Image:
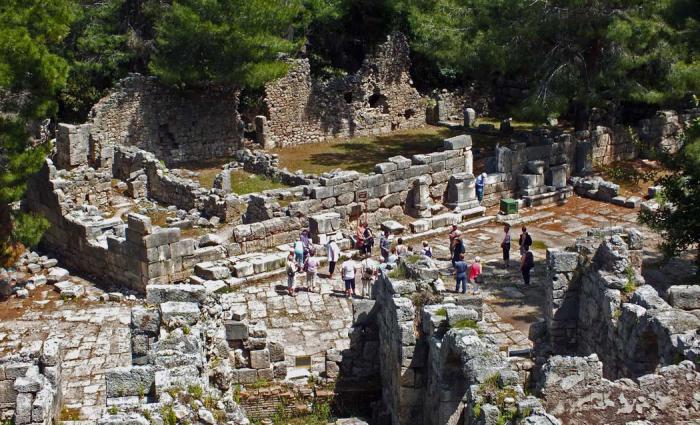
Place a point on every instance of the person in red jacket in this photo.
(474, 273)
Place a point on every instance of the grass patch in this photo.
(466, 324)
(539, 245)
(196, 391)
(631, 284)
(243, 182)
(259, 383)
(362, 153)
(442, 311)
(398, 272)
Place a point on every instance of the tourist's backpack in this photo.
(529, 260)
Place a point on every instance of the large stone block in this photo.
(235, 330)
(324, 223)
(686, 297)
(157, 294)
(561, 261)
(458, 142)
(129, 381)
(260, 359)
(558, 175)
(72, 145)
(180, 312)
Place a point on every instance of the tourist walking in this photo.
(401, 249)
(458, 250)
(306, 243)
(369, 272)
(348, 272)
(292, 268)
(385, 245)
(461, 274)
(524, 241)
(360, 237)
(333, 256)
(480, 181)
(505, 246)
(454, 234)
(369, 239)
(474, 273)
(311, 268)
(527, 262)
(427, 250)
(299, 252)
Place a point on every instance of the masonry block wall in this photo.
(596, 302)
(177, 126)
(378, 99)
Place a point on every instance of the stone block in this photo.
(235, 330)
(212, 271)
(686, 297)
(393, 227)
(179, 312)
(458, 142)
(385, 167)
(400, 161)
(561, 261)
(57, 274)
(23, 408)
(633, 202)
(324, 223)
(362, 312)
(469, 117)
(243, 269)
(145, 320)
(160, 293)
(260, 359)
(420, 226)
(42, 406)
(558, 175)
(129, 381)
(139, 223)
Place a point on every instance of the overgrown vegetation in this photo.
(678, 216)
(466, 324)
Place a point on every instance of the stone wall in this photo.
(147, 177)
(663, 131)
(131, 254)
(596, 302)
(435, 368)
(400, 185)
(177, 126)
(378, 99)
(30, 384)
(573, 388)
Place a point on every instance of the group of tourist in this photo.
(527, 259)
(302, 259)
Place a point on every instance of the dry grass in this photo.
(243, 182)
(362, 153)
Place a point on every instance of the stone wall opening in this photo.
(646, 355)
(379, 101)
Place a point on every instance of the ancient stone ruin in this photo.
(156, 299)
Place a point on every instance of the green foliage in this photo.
(196, 391)
(442, 311)
(466, 324)
(112, 410)
(168, 415)
(631, 283)
(399, 272)
(28, 228)
(234, 42)
(678, 217)
(109, 39)
(539, 245)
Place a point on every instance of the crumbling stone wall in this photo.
(30, 384)
(177, 126)
(436, 369)
(596, 303)
(147, 177)
(131, 254)
(573, 388)
(377, 99)
(664, 129)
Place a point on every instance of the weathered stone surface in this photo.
(179, 312)
(686, 297)
(157, 294)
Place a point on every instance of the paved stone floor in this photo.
(95, 335)
(307, 324)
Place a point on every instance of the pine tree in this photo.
(31, 73)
